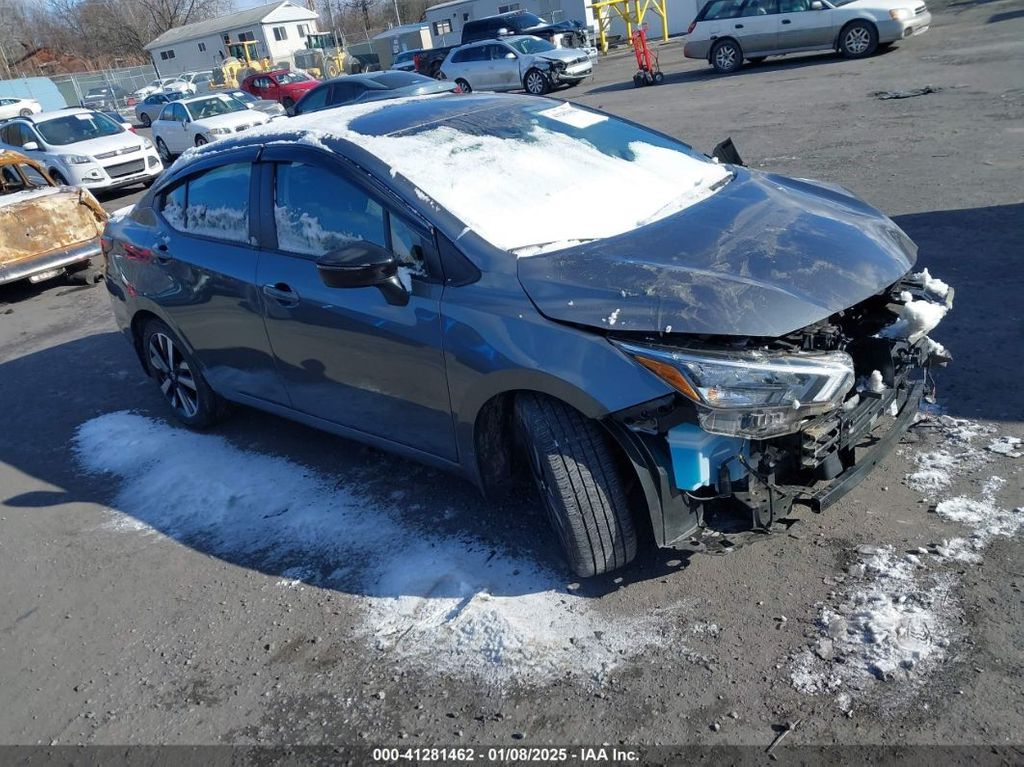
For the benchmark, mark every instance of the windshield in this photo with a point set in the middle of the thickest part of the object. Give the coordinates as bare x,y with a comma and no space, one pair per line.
527,20
531,45
292,77
242,96
404,56
213,106
78,127
477,164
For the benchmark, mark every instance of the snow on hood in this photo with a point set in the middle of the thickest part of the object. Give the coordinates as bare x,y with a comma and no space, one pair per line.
522,192
233,119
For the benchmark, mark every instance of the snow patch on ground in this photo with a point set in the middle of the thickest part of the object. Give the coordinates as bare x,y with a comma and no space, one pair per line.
455,607
936,469
1008,446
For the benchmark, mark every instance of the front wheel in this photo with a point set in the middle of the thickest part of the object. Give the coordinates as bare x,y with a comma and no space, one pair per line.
464,85
858,39
580,484
535,83
163,151
726,57
181,382
58,178
288,104
25,113
200,141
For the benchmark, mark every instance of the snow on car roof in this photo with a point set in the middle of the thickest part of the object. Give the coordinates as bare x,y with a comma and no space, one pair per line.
526,174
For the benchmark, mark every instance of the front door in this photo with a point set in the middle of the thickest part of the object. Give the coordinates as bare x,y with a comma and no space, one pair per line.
801,26
346,354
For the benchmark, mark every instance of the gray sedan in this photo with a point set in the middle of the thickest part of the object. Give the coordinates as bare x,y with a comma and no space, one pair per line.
726,32
373,86
514,63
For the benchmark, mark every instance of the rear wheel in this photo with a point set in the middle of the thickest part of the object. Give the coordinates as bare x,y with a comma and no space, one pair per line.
181,382
535,83
145,119
579,482
726,56
464,86
858,39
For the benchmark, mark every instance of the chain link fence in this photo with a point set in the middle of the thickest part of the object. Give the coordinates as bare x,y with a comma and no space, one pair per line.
108,89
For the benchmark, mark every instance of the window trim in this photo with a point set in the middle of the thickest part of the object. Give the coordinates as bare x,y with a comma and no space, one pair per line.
236,157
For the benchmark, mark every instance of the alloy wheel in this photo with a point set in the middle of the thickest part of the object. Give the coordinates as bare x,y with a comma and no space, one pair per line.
857,40
174,375
535,83
725,57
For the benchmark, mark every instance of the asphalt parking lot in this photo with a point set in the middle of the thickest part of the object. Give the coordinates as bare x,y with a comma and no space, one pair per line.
267,583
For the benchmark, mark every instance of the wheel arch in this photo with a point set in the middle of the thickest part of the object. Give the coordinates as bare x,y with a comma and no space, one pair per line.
718,41
866,19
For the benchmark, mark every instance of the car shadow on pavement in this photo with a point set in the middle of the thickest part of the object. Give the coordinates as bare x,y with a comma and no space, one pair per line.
705,74
289,501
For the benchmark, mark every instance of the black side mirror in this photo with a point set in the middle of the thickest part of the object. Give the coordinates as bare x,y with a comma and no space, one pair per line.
726,152
363,265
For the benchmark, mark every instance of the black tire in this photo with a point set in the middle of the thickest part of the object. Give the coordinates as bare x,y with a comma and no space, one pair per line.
639,81
536,83
201,141
659,78
858,40
58,178
726,56
464,86
756,59
288,104
171,365
25,113
580,484
163,151
145,119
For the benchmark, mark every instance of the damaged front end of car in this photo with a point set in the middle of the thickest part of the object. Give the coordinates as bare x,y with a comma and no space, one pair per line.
757,425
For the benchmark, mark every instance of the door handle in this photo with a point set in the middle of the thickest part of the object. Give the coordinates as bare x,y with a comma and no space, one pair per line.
282,293
785,21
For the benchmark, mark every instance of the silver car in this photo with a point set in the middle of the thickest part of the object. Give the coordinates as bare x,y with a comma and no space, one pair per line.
726,32
514,63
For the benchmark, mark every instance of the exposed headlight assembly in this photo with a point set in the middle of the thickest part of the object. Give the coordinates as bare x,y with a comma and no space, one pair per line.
751,394
901,14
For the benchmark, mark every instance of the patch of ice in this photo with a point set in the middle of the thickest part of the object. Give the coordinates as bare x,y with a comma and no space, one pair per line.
612,318
1008,446
445,605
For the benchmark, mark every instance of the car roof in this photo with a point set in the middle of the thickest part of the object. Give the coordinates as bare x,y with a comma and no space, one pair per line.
200,97
53,114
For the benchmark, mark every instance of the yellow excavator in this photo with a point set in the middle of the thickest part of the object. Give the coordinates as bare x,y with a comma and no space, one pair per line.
242,60
323,56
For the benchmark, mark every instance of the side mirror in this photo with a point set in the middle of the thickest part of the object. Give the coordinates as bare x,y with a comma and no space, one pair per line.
30,146
510,55
363,265
817,5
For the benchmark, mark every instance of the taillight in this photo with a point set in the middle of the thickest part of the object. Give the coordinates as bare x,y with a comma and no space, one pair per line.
693,26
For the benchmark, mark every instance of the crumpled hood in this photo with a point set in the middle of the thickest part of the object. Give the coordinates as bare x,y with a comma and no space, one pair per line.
764,256
568,55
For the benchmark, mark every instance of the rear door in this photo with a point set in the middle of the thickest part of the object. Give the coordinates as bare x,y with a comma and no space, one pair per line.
200,269
347,355
472,65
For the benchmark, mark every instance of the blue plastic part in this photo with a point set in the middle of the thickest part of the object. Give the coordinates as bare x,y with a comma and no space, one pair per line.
698,455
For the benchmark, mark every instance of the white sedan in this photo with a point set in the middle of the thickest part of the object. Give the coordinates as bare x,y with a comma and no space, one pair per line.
164,85
15,107
199,120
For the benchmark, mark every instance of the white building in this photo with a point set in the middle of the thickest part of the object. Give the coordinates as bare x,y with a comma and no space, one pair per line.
446,19
280,29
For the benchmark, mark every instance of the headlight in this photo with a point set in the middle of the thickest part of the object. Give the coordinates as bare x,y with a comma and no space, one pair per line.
901,14
751,394
146,143
75,159
220,131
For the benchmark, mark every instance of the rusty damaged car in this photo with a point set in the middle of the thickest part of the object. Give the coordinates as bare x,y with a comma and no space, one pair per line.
46,230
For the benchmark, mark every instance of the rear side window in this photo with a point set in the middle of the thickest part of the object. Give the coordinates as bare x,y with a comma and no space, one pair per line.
476,53
721,9
317,211
213,204
315,99
342,93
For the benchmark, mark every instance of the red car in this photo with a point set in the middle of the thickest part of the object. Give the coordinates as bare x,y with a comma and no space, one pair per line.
279,85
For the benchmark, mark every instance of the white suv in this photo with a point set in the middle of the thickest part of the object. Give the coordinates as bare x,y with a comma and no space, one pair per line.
80,147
